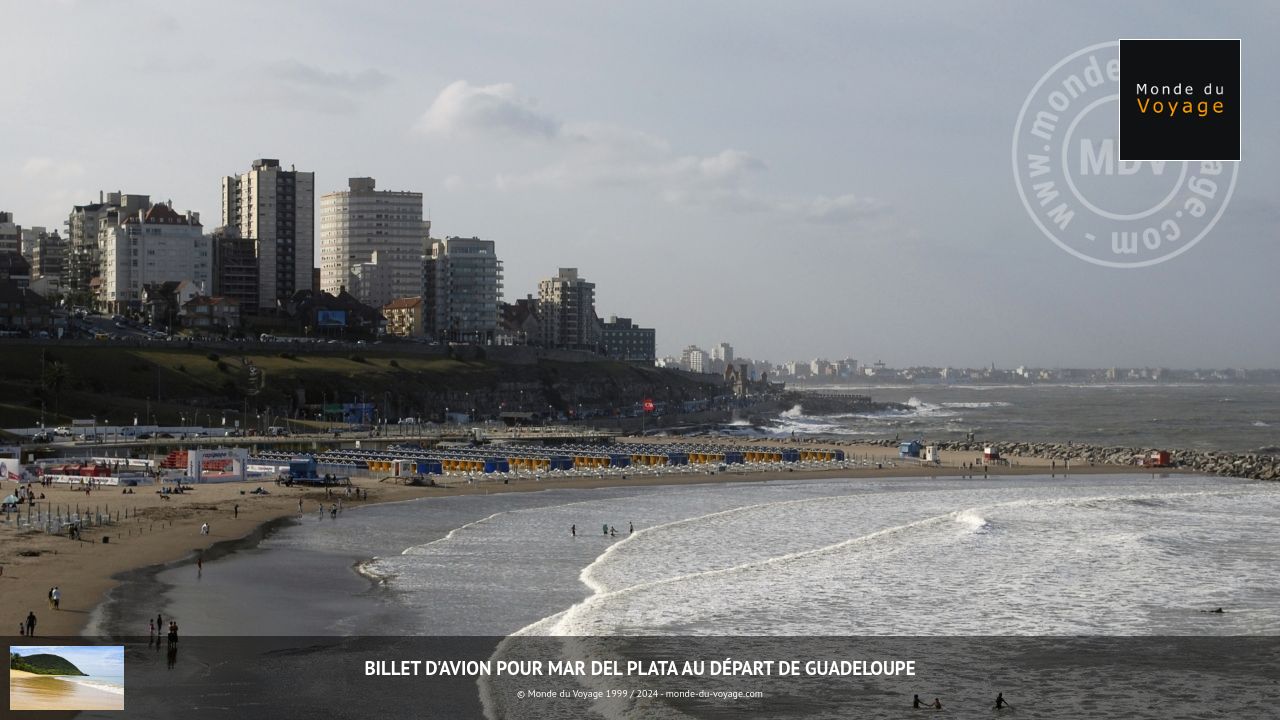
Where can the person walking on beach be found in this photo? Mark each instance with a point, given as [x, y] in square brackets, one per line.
[31, 624]
[299, 506]
[56, 594]
[204, 529]
[236, 511]
[50, 594]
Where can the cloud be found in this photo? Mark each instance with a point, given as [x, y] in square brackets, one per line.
[299, 73]
[463, 108]
[46, 168]
[297, 86]
[589, 155]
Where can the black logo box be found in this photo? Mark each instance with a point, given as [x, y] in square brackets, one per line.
[1184, 64]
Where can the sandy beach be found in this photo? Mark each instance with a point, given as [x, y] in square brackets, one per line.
[28, 691]
[155, 531]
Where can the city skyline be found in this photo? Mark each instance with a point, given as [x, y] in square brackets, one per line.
[810, 168]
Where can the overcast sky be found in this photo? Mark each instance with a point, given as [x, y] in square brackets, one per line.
[799, 179]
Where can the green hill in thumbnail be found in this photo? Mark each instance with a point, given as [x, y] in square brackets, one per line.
[43, 664]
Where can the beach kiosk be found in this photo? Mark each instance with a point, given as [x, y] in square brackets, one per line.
[909, 449]
[990, 454]
[931, 454]
[1159, 458]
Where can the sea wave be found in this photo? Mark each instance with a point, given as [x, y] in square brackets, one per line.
[115, 688]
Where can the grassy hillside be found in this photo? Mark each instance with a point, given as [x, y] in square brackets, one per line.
[164, 383]
[43, 664]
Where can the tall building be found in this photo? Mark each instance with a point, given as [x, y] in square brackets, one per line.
[46, 252]
[276, 209]
[85, 227]
[622, 339]
[567, 304]
[722, 352]
[362, 227]
[462, 283]
[235, 268]
[10, 233]
[152, 247]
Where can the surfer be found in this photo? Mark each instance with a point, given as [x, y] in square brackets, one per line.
[1000, 703]
[1215, 611]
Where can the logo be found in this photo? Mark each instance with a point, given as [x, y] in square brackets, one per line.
[1082, 196]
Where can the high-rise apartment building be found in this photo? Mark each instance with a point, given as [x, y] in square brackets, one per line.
[275, 208]
[371, 242]
[462, 289]
[235, 268]
[10, 233]
[568, 307]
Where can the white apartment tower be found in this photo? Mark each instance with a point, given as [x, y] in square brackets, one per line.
[371, 242]
[276, 209]
[153, 246]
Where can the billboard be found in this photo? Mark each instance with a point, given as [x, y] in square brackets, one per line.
[331, 318]
[10, 464]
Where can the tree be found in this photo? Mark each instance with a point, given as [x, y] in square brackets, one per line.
[54, 377]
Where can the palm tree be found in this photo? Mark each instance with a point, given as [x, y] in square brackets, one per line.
[54, 379]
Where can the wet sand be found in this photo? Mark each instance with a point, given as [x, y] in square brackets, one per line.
[28, 691]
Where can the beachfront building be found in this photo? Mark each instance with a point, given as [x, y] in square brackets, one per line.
[371, 242]
[10, 233]
[45, 251]
[405, 317]
[621, 339]
[275, 209]
[567, 305]
[152, 247]
[85, 227]
[235, 269]
[519, 322]
[462, 290]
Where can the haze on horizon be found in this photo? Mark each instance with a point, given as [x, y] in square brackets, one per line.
[824, 180]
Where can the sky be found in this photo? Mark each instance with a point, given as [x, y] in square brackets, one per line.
[819, 179]
[91, 660]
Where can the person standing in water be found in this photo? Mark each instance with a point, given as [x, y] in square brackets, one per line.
[1000, 703]
[916, 703]
[631, 528]
[573, 530]
[937, 704]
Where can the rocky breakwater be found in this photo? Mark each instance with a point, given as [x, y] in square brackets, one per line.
[1256, 466]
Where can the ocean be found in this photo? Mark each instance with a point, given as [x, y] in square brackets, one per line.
[1024, 555]
[1227, 417]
